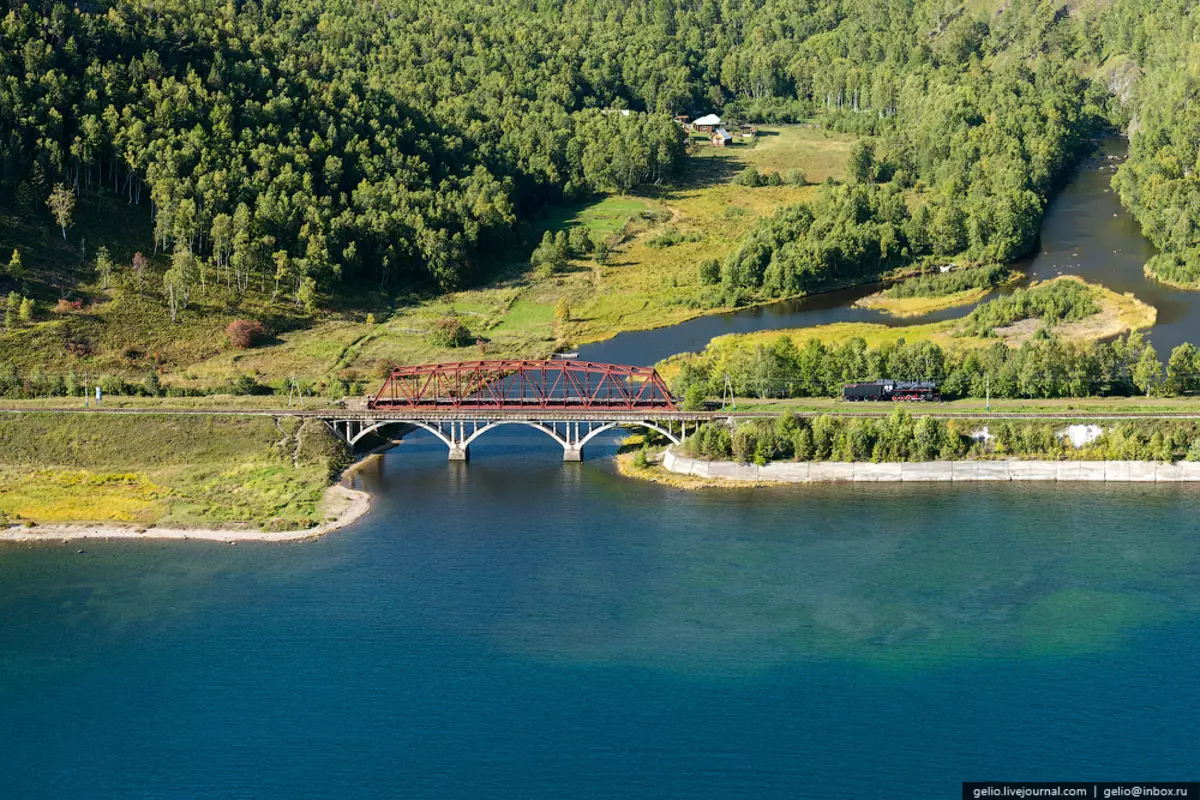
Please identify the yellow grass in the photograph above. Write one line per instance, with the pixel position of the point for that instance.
(56, 495)
(919, 306)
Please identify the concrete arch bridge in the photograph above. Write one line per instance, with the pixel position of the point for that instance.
(570, 401)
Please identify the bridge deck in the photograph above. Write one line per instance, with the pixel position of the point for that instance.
(618, 415)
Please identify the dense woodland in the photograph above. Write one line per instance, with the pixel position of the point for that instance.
(1040, 368)
(298, 146)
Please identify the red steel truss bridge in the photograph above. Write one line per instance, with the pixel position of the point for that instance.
(571, 401)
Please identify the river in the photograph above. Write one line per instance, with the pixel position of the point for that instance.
(1085, 232)
(520, 628)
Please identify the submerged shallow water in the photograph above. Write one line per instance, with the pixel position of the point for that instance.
(516, 627)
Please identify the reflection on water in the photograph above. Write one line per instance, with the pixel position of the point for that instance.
(1085, 232)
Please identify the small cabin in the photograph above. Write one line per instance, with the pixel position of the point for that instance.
(707, 124)
(721, 138)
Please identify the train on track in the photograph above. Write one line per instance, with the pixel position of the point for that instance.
(887, 390)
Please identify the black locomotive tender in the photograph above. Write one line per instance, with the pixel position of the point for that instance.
(892, 391)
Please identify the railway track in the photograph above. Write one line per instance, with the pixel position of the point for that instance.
(584, 414)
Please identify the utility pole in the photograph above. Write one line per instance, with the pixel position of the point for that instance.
(294, 392)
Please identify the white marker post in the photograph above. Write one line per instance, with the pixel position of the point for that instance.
(97, 397)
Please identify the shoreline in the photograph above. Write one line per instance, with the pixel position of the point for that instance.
(354, 505)
(730, 473)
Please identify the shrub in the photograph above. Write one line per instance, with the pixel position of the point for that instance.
(113, 384)
(450, 331)
(943, 283)
(602, 252)
(64, 306)
(580, 240)
(694, 397)
(672, 236)
(244, 333)
(795, 177)
(383, 367)
(710, 271)
(1060, 301)
(151, 384)
(744, 444)
(640, 460)
(750, 177)
(245, 385)
(551, 255)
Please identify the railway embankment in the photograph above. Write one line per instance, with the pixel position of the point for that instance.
(1001, 469)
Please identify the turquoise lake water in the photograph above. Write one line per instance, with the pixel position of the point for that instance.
(520, 628)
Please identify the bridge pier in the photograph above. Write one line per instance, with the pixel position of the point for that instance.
(459, 452)
(572, 452)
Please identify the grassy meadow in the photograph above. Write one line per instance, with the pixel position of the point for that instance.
(165, 470)
(126, 331)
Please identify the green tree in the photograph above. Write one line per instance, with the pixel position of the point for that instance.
(1148, 371)
(307, 295)
(602, 254)
(12, 310)
(581, 241)
(1181, 369)
(62, 205)
(860, 167)
(16, 270)
(104, 267)
(179, 280)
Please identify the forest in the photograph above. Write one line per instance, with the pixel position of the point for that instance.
(1038, 368)
(299, 148)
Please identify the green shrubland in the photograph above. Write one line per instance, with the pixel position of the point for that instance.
(904, 437)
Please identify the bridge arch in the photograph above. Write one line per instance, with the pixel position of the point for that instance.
(454, 434)
(354, 440)
(643, 424)
(528, 423)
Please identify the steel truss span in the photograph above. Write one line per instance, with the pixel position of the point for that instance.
(519, 385)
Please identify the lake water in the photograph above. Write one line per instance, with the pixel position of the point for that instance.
(520, 628)
(1085, 232)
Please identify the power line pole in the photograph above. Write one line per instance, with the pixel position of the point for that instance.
(294, 392)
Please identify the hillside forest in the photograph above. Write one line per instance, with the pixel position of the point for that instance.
(303, 155)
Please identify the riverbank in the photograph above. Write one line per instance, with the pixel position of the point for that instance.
(350, 505)
(1010, 469)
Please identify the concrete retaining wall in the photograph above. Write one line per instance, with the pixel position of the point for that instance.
(1000, 470)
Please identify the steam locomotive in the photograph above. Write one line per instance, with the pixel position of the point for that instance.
(892, 391)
